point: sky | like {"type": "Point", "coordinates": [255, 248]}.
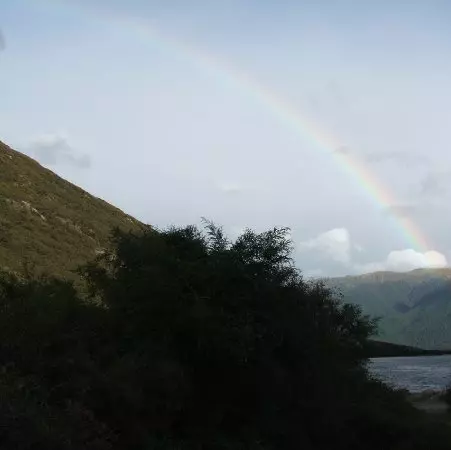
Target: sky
{"type": "Point", "coordinates": [175, 110]}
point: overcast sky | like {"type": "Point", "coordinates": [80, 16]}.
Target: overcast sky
{"type": "Point", "coordinates": [168, 136]}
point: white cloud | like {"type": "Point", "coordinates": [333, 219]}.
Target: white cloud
{"type": "Point", "coordinates": [230, 188]}
{"type": "Point", "coordinates": [358, 248]}
{"type": "Point", "coordinates": [54, 148]}
{"type": "Point", "coordinates": [335, 244]}
{"type": "Point", "coordinates": [405, 260]}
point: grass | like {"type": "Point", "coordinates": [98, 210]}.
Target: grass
{"type": "Point", "coordinates": [47, 222]}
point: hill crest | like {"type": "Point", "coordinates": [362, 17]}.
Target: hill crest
{"type": "Point", "coordinates": [383, 276]}
{"type": "Point", "coordinates": [48, 222]}
{"type": "Point", "coordinates": [414, 307]}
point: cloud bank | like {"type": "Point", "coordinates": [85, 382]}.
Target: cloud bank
{"type": "Point", "coordinates": [436, 184]}
{"type": "Point", "coordinates": [400, 157]}
{"type": "Point", "coordinates": [54, 149]}
{"type": "Point", "coordinates": [404, 261]}
{"type": "Point", "coordinates": [336, 244]}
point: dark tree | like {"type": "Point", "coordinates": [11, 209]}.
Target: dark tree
{"type": "Point", "coordinates": [185, 340]}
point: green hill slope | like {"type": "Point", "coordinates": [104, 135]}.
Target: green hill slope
{"type": "Point", "coordinates": [414, 307]}
{"type": "Point", "coordinates": [48, 222]}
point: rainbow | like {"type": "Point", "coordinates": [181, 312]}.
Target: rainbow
{"type": "Point", "coordinates": [308, 131]}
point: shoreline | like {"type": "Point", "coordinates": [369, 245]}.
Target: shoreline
{"type": "Point", "coordinates": [430, 401]}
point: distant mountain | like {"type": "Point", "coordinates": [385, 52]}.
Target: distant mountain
{"type": "Point", "coordinates": [47, 222]}
{"type": "Point", "coordinates": [378, 349]}
{"type": "Point", "coordinates": [414, 307]}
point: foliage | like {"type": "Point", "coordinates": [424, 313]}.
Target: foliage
{"type": "Point", "coordinates": [189, 341]}
{"type": "Point", "coordinates": [447, 397]}
{"type": "Point", "coordinates": [46, 366]}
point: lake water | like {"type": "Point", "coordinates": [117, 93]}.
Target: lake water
{"type": "Point", "coordinates": [415, 373]}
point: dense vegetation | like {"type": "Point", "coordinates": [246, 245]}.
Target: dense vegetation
{"type": "Point", "coordinates": [414, 307]}
{"type": "Point", "coordinates": [48, 223]}
{"type": "Point", "coordinates": [447, 397]}
{"type": "Point", "coordinates": [188, 341]}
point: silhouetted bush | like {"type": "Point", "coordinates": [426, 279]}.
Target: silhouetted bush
{"type": "Point", "coordinates": [447, 397]}
{"type": "Point", "coordinates": [189, 341]}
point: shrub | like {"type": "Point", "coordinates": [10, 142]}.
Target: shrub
{"type": "Point", "coordinates": [189, 341]}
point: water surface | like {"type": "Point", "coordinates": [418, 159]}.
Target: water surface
{"type": "Point", "coordinates": [415, 373]}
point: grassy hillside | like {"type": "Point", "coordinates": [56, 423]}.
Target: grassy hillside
{"type": "Point", "coordinates": [414, 307]}
{"type": "Point", "coordinates": [48, 222]}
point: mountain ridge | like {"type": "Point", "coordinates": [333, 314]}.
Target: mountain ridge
{"type": "Point", "coordinates": [47, 222]}
{"type": "Point", "coordinates": [414, 307]}
{"type": "Point", "coordinates": [383, 275]}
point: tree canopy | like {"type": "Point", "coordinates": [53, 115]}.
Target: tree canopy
{"type": "Point", "coordinates": [186, 340]}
